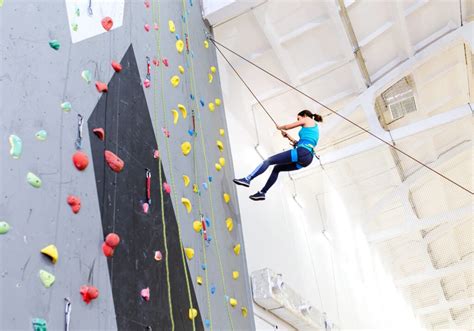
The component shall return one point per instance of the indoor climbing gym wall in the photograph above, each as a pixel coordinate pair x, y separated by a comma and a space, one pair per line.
117, 209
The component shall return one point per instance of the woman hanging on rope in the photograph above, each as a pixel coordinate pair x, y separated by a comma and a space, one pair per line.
299, 157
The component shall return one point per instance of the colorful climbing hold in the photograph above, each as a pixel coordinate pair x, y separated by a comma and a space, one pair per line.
34, 180
116, 66
41, 135
235, 275
115, 163
195, 188
213, 289
186, 180
39, 324
192, 313
206, 44
112, 239
229, 224
181, 69
237, 249
186, 147
101, 87
203, 266
187, 204
147, 27
233, 302
107, 250
66, 106
54, 44
4, 227
146, 83
222, 161
99, 132
89, 293
174, 81
218, 167
207, 323
107, 23
87, 76
145, 207
147, 4
155, 26
201, 101
75, 203
199, 280
197, 226
167, 187
213, 69
189, 253
46, 278
183, 110
191, 132
165, 62
156, 62
145, 294
171, 26
166, 133
204, 185
158, 256
210, 77
80, 160
217, 101
220, 145
211, 106
175, 116
156, 154
179, 46
221, 132
244, 311
226, 197
15, 146
52, 252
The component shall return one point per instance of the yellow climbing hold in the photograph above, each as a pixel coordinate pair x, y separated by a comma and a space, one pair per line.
237, 249
186, 180
186, 147
175, 116
229, 224
235, 274
197, 226
206, 44
213, 69
233, 302
179, 46
244, 311
211, 106
221, 132
192, 313
187, 204
218, 166
171, 26
52, 252
220, 145
181, 69
174, 81
195, 188
199, 280
226, 197
189, 253
217, 101
222, 161
210, 77
183, 110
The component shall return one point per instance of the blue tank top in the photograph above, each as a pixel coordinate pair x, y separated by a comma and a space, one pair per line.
309, 135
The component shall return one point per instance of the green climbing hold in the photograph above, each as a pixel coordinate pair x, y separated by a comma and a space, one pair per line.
39, 324
74, 27
41, 135
54, 44
87, 76
15, 146
4, 227
34, 180
46, 278
66, 106
1, 3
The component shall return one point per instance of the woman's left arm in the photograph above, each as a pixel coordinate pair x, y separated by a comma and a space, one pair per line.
291, 125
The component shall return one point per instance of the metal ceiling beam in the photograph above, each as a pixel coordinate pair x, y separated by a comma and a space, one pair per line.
445, 306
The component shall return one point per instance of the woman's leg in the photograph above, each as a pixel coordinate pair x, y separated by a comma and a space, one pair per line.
280, 159
274, 175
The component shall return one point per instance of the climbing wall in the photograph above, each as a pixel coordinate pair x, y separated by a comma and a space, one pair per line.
117, 209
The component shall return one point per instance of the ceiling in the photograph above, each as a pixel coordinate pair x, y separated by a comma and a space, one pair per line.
421, 224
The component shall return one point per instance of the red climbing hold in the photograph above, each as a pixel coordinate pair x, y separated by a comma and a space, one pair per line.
100, 133
80, 160
117, 66
112, 240
147, 27
156, 62
147, 4
167, 188
89, 293
156, 154
107, 23
107, 250
165, 61
75, 203
146, 83
101, 87
115, 163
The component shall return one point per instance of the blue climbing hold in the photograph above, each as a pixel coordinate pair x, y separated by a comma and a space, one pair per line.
208, 222
191, 96
213, 289
191, 132
183, 18
207, 323
203, 266
177, 37
202, 102
204, 185
210, 179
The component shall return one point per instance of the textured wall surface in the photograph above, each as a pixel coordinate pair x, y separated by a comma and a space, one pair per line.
35, 80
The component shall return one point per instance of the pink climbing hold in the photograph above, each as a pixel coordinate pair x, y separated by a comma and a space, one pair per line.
147, 27
112, 240
99, 132
156, 62
165, 61
158, 256
145, 207
107, 250
101, 87
75, 203
147, 4
156, 154
166, 132
89, 293
115, 163
80, 160
145, 293
146, 83
117, 66
107, 23
155, 26
167, 187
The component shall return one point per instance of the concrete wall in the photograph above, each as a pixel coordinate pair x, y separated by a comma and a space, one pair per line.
34, 80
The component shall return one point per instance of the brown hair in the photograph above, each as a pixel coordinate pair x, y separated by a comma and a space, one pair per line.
307, 113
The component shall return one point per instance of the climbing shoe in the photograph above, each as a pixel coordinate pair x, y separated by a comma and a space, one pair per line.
258, 196
242, 181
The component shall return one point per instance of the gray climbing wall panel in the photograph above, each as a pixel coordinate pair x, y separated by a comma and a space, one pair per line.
34, 80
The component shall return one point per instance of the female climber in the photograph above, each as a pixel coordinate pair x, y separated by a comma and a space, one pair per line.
299, 157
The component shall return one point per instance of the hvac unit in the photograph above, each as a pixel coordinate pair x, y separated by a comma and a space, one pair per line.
272, 294
401, 108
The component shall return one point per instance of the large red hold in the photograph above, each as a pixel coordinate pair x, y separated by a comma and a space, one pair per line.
101, 87
75, 203
117, 66
107, 23
115, 163
99, 132
89, 293
80, 160
107, 250
112, 240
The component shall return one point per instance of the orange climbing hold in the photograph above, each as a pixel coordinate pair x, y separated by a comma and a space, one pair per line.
117, 66
115, 163
100, 133
89, 293
101, 87
107, 23
75, 203
80, 160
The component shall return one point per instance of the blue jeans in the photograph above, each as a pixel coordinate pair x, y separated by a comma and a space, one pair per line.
282, 162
